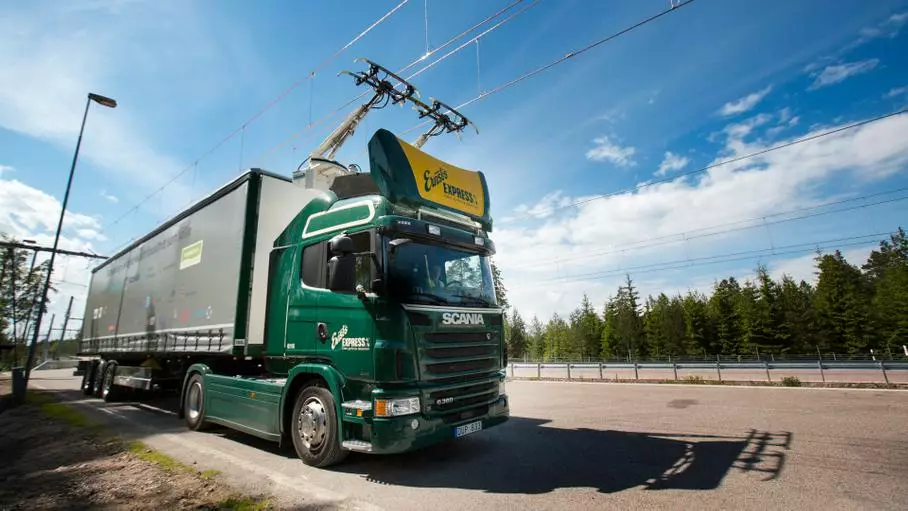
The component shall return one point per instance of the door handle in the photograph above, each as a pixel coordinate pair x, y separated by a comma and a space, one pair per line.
322, 332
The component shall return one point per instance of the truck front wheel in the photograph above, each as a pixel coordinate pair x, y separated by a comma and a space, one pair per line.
194, 404
314, 428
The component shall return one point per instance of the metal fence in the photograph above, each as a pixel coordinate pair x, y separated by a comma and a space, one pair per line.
867, 371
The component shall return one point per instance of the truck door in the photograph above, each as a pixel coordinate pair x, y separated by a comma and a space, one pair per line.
348, 331
337, 326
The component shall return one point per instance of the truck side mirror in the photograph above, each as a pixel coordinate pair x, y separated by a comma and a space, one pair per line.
395, 243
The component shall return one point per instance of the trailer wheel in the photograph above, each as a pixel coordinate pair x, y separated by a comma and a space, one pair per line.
194, 404
97, 377
88, 377
109, 391
314, 428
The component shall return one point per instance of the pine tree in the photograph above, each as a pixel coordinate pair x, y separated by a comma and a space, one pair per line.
557, 333
747, 310
842, 300
886, 270
20, 293
586, 329
725, 313
536, 339
610, 348
698, 331
517, 340
500, 291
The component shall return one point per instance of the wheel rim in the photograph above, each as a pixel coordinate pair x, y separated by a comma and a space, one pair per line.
312, 423
194, 401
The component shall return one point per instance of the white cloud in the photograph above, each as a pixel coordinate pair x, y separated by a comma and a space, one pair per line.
840, 72
5, 168
896, 92
744, 128
648, 226
52, 56
672, 162
543, 208
606, 150
109, 197
746, 103
29, 213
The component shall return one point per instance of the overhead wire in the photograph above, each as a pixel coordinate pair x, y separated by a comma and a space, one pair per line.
722, 258
728, 161
685, 236
333, 113
280, 97
566, 57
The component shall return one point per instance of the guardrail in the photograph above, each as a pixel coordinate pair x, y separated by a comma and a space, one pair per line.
887, 372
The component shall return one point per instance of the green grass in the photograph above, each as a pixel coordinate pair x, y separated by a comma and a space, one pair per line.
209, 474
160, 459
791, 381
244, 504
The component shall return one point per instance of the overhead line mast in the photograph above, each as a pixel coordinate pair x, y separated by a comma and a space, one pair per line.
322, 167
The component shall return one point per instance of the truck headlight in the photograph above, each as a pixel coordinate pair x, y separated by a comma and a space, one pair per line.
396, 407
501, 388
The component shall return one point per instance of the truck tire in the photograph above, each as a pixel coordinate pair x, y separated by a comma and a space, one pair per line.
88, 377
194, 403
97, 378
313, 428
109, 392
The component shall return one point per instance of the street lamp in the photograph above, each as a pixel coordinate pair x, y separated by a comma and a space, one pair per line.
101, 100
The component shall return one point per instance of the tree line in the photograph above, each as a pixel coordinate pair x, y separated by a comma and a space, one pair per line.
21, 285
850, 310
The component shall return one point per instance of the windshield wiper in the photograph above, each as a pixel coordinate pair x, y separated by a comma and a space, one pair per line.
434, 299
473, 300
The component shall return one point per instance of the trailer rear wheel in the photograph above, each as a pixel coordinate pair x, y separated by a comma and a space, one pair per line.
97, 377
109, 391
314, 428
88, 377
194, 403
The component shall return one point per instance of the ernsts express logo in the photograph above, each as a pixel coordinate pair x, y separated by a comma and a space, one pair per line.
348, 343
431, 180
461, 318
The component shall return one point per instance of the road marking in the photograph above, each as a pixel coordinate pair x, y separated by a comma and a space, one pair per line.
154, 409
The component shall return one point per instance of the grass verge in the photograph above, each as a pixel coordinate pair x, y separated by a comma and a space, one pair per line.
72, 417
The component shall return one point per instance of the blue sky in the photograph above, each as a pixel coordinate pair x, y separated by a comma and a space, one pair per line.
712, 80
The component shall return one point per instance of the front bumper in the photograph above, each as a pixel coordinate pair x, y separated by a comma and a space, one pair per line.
398, 434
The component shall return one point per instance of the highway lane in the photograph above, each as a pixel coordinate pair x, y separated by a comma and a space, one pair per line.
590, 446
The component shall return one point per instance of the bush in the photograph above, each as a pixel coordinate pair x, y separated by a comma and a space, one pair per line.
791, 381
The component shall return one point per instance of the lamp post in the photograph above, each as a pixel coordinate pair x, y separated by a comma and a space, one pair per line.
104, 101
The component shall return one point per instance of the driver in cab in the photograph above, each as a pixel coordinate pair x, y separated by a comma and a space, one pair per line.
433, 281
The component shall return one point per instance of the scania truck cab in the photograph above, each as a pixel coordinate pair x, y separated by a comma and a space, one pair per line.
355, 313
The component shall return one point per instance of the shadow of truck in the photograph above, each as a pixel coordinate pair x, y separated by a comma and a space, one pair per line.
525, 457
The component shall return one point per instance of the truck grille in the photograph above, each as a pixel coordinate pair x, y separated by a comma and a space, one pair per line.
458, 356
464, 366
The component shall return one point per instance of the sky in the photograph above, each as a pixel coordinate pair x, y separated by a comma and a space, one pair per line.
592, 163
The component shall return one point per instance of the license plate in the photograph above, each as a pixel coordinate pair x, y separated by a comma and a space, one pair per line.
467, 429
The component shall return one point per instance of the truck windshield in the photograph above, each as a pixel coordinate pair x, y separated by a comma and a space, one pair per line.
440, 275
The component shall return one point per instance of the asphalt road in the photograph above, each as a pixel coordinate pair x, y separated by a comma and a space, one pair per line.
588, 446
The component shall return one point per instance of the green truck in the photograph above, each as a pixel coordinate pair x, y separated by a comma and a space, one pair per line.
347, 312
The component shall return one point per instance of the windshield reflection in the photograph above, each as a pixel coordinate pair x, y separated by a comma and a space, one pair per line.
438, 275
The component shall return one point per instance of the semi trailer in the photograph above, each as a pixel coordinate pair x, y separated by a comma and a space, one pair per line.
334, 309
